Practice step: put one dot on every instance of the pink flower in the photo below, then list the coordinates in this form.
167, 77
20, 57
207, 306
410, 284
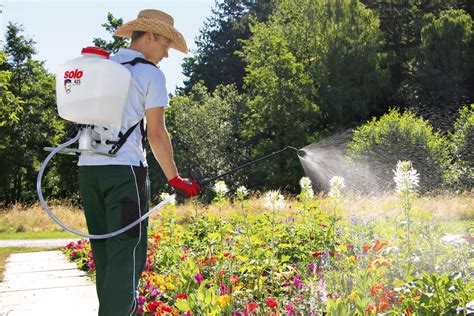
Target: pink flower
141, 300
290, 310
199, 278
224, 289
312, 267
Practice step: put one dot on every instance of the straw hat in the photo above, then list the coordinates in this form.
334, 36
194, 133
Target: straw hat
157, 22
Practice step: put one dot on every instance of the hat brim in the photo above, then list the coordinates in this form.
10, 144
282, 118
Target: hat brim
148, 25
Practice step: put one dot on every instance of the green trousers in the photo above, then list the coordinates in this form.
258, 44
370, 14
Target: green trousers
114, 196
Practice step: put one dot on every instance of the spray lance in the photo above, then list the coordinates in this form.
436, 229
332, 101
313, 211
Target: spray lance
196, 175
85, 97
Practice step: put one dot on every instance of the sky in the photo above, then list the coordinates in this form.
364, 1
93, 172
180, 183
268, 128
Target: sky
62, 28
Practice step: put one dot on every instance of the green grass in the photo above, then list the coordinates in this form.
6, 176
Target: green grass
7, 251
37, 235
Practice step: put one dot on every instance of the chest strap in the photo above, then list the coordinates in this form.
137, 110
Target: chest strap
123, 137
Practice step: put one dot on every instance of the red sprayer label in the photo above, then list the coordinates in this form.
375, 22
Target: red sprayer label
72, 78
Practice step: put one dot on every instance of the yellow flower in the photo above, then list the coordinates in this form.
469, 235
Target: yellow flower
352, 296
213, 313
223, 300
352, 259
169, 286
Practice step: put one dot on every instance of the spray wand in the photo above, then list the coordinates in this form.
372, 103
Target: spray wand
199, 178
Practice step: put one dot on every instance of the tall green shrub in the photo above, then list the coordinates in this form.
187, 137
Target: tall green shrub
461, 174
401, 136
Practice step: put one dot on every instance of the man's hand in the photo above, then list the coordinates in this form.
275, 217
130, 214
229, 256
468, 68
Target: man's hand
185, 187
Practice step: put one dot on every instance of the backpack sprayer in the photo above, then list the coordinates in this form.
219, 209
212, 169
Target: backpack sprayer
86, 97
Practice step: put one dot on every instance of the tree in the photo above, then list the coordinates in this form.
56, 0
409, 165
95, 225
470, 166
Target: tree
401, 22
205, 131
216, 61
34, 124
442, 77
117, 42
315, 65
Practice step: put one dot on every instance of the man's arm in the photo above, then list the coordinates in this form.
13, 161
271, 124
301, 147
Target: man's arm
160, 142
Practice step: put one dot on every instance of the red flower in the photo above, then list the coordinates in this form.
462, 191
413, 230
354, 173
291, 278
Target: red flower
228, 255
409, 310
366, 248
271, 302
317, 254
152, 306
416, 294
251, 307
221, 272
182, 296
372, 308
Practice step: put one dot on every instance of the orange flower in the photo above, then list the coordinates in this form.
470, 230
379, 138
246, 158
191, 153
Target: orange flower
376, 289
234, 279
378, 245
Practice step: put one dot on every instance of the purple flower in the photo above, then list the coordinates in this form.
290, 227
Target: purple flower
154, 291
297, 282
290, 309
224, 289
199, 278
237, 314
286, 283
91, 264
312, 267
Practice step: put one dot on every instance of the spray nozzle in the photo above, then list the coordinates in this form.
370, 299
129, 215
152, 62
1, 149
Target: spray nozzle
301, 153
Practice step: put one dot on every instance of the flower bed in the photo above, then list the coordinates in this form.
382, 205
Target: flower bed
307, 262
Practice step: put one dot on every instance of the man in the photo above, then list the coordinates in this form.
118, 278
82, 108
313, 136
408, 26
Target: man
114, 190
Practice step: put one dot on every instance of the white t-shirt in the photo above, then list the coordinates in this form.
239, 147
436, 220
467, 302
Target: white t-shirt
148, 90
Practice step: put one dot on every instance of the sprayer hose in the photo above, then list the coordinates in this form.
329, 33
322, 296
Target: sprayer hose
50, 213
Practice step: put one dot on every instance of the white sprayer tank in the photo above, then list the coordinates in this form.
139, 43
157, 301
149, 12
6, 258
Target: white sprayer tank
92, 90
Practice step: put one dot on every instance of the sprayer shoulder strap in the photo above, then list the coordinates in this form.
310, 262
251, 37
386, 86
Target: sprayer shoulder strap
139, 60
123, 137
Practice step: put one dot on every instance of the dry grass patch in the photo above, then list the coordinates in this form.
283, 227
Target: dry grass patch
443, 207
20, 218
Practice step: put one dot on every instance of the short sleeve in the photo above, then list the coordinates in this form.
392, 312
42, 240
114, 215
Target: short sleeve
156, 95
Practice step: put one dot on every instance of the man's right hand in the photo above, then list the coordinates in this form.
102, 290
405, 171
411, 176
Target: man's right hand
185, 187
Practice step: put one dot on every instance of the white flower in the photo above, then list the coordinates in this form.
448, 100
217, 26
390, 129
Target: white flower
454, 239
220, 188
164, 196
306, 188
406, 178
242, 192
336, 185
274, 200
